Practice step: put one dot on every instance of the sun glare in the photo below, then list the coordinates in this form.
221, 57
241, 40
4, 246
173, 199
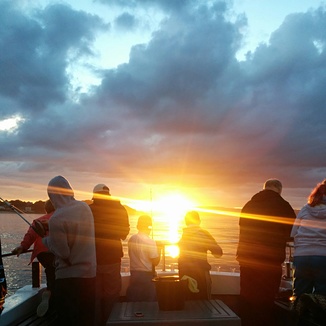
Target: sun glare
172, 251
173, 203
170, 209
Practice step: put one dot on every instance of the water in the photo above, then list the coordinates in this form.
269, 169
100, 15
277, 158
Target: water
224, 229
18, 272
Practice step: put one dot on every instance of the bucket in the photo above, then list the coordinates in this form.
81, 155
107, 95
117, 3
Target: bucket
170, 291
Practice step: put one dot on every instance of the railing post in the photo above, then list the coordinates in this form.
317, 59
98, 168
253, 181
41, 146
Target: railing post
36, 274
163, 257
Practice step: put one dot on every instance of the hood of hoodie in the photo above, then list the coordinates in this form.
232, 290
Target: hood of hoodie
318, 211
60, 191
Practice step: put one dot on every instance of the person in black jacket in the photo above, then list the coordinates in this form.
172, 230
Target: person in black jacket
193, 245
265, 226
111, 223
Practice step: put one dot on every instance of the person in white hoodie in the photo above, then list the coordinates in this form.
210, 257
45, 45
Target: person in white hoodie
71, 238
309, 233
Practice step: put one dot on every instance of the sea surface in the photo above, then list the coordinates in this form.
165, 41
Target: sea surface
222, 225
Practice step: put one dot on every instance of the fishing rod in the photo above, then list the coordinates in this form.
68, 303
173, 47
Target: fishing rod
151, 197
38, 228
11, 254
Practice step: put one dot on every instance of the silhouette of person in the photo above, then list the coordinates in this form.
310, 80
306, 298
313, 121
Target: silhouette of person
265, 226
111, 223
193, 245
143, 255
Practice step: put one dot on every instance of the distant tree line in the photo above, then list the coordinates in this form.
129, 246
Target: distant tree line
38, 206
27, 207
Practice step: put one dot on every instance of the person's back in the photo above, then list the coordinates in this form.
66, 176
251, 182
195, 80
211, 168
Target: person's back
264, 228
71, 239
309, 233
193, 245
111, 224
192, 262
143, 255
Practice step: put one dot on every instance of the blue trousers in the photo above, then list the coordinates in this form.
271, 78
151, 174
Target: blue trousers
141, 287
309, 275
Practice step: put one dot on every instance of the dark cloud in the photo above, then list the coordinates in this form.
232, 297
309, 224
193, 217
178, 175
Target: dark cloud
167, 5
36, 51
187, 58
126, 22
182, 109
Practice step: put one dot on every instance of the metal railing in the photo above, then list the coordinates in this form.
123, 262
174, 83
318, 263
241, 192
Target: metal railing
167, 263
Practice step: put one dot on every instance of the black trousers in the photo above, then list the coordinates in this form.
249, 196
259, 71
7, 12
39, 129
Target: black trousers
47, 261
75, 301
259, 285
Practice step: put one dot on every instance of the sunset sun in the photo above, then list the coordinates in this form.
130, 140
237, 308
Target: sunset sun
173, 205
170, 209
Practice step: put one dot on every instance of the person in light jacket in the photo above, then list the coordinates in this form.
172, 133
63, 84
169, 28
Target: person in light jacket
309, 233
72, 240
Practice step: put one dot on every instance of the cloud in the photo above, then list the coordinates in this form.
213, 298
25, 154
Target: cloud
183, 110
166, 5
126, 21
37, 50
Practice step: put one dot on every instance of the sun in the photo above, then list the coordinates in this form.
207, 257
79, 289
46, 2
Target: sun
170, 209
173, 203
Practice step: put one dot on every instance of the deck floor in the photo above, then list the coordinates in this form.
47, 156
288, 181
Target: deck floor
33, 320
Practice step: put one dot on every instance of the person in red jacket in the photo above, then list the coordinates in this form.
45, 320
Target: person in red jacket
43, 255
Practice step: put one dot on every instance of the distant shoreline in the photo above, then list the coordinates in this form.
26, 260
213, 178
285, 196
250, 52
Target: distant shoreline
27, 213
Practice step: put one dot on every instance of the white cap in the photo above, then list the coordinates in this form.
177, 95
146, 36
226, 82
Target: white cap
101, 188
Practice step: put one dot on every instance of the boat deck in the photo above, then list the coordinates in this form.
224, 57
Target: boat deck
285, 317
34, 320
20, 306
199, 312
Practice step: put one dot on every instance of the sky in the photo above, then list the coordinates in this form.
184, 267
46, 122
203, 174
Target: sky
203, 99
